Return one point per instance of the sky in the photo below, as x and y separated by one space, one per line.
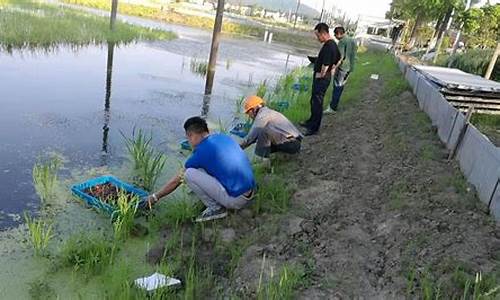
354 8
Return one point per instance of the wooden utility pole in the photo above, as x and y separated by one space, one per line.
114 8
215 48
493 62
296 14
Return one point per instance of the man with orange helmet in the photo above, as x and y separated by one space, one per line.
271 131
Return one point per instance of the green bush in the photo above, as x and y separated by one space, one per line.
475 61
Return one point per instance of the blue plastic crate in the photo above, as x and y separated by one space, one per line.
300 87
185 145
78 190
241 129
283 105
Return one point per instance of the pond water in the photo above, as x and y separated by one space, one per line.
76 102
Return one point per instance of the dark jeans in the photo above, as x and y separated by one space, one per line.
339 80
319 87
291 147
337 92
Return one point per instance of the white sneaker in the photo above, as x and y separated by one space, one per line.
329 111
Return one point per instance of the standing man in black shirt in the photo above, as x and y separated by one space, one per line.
324 66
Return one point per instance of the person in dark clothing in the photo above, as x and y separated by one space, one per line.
328 58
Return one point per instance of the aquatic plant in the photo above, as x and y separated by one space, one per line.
198 66
222 127
45 177
148 163
88 253
262 89
40 233
123 219
239 104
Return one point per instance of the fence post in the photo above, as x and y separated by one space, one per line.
493 193
462 134
493 61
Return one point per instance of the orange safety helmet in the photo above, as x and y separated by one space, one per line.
252 102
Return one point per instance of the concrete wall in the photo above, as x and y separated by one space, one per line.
478 157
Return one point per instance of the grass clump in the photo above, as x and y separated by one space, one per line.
40 233
45 178
30 24
148 163
283 286
199 67
273 194
89 254
124 215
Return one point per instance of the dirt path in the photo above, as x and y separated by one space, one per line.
382 215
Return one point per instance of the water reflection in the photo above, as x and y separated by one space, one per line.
107 104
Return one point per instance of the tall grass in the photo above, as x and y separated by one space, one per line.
40 233
273 195
148 162
30 24
45 177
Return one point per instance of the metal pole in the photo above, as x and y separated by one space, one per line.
493 61
114 8
296 14
215 47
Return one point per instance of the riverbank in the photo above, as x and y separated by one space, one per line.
31 25
370 208
301 39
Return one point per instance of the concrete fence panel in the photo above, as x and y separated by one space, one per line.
480 162
447 115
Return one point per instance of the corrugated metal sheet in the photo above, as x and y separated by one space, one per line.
464 90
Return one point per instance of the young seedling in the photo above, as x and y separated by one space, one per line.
148 163
45 178
124 215
40 233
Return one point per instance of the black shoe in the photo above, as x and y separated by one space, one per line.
304 124
310 132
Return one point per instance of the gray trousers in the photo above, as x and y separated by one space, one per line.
211 192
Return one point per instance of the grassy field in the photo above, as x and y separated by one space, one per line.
197 21
26 24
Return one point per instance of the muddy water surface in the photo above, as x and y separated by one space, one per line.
77 101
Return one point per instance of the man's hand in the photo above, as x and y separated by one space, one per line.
148 202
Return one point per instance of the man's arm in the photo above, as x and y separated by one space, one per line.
324 71
252 135
168 188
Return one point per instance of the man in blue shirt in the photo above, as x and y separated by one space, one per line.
218 172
